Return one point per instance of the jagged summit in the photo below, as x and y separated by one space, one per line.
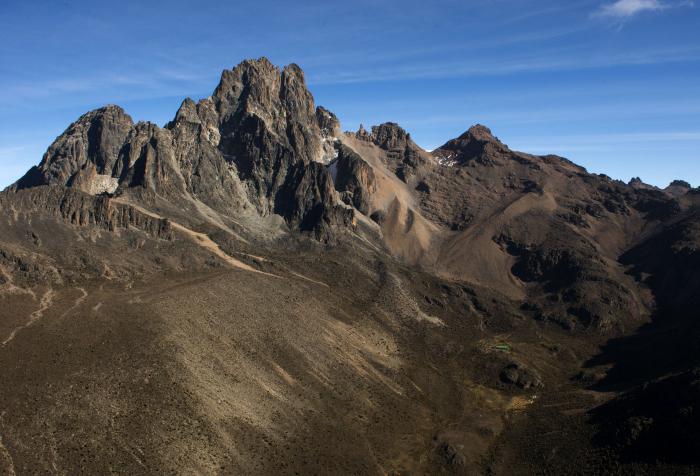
638 183
96 138
678 188
680 183
256 142
476 143
478 132
387 136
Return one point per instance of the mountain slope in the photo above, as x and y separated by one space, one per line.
250 290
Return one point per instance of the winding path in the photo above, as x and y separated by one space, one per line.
45 303
202 240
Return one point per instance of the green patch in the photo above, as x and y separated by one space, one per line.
502 347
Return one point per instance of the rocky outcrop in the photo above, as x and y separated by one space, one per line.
328 122
477 144
354 179
521 376
96 138
678 188
80 209
103 151
404 157
388 136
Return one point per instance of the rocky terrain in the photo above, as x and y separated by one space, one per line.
249 290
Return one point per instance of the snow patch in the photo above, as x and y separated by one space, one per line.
103 184
328 150
447 161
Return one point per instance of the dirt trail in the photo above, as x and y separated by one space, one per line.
202 240
308 279
205 242
45 303
77 302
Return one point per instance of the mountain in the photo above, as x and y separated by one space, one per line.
249 290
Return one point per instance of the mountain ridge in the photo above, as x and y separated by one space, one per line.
270 279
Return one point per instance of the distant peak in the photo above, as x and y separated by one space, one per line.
476 143
476 134
479 132
680 183
639 184
678 188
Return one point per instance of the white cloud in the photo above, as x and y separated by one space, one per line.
623 9
628 8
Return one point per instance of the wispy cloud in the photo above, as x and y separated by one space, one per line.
624 9
121 86
628 8
564 60
11 150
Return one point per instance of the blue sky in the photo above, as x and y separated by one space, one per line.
612 84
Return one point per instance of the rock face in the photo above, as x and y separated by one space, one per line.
354 179
328 122
403 156
95 140
80 209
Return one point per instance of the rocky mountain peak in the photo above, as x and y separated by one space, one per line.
261 88
257 141
187 112
250 78
390 135
479 132
401 154
678 188
638 184
680 183
328 122
476 143
96 137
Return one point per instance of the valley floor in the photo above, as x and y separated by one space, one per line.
334 370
